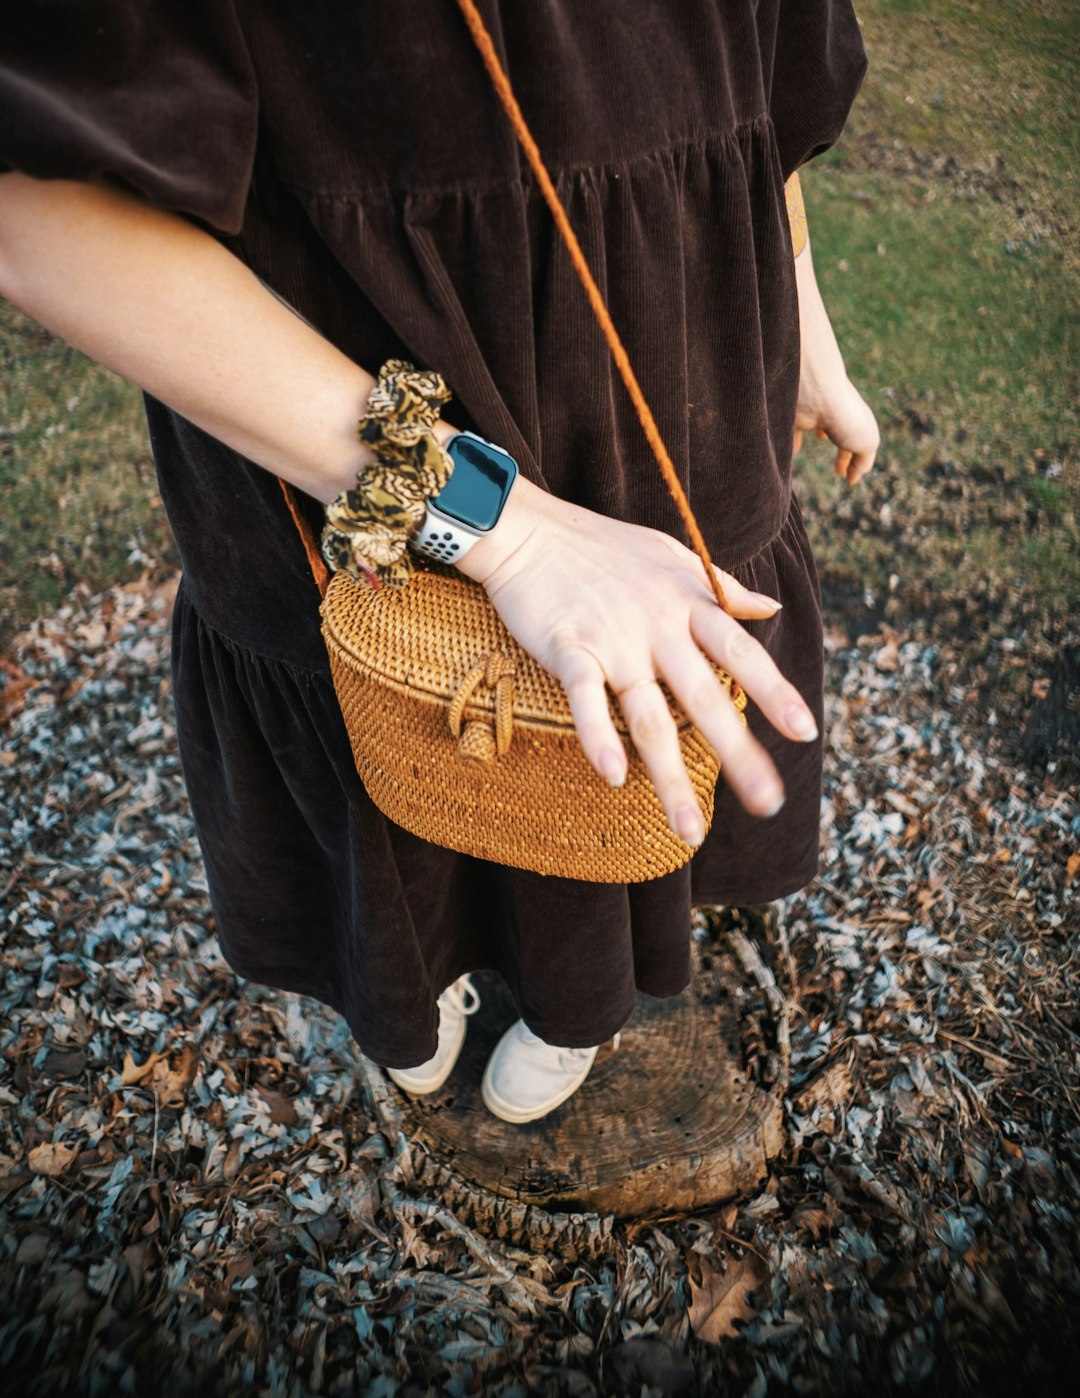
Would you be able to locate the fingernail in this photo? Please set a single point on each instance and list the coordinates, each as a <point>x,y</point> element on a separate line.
<point>776,805</point>
<point>769,601</point>
<point>801,722</point>
<point>689,825</point>
<point>611,765</point>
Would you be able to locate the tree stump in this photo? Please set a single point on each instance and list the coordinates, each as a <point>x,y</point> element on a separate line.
<point>687,1111</point>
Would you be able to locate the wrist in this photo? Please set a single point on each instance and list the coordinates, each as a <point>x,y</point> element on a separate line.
<point>442,431</point>
<point>523,508</point>
<point>477,513</point>
<point>368,526</point>
<point>346,456</point>
<point>822,382</point>
<point>363,456</point>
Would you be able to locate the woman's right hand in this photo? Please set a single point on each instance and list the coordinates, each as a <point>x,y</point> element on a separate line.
<point>602,604</point>
<point>596,601</point>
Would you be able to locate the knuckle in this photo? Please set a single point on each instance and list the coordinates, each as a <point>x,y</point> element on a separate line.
<point>577,684</point>
<point>671,783</point>
<point>739,645</point>
<point>783,693</point>
<point>648,726</point>
<point>568,639</point>
<point>737,761</point>
<point>706,696</point>
<point>674,794</point>
<point>572,660</point>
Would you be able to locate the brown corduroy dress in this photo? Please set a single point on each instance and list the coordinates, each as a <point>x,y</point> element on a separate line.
<point>356,157</point>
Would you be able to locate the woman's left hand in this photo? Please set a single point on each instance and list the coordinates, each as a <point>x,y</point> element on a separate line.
<point>836,410</point>
<point>829,403</point>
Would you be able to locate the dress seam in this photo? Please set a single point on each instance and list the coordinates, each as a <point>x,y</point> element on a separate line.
<point>242,648</point>
<point>770,541</point>
<point>524,177</point>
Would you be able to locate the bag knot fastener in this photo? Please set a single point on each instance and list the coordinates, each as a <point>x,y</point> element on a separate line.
<point>476,742</point>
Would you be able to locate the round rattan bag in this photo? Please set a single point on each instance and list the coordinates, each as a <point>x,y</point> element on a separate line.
<point>463,739</point>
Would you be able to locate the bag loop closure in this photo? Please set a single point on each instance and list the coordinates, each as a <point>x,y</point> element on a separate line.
<point>476,743</point>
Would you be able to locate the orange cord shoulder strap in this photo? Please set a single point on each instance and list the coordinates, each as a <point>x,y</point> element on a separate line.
<point>652,432</point>
<point>319,571</point>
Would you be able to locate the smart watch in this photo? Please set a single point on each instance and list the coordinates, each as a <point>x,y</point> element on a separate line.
<point>469,505</point>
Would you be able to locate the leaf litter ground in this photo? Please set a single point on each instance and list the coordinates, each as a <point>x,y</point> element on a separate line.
<point>196,1195</point>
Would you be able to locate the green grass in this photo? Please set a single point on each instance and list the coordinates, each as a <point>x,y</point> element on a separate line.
<point>76,474</point>
<point>944,232</point>
<point>929,305</point>
<point>947,244</point>
<point>991,84</point>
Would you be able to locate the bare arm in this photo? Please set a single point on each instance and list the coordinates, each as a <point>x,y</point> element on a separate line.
<point>599,602</point>
<point>829,404</point>
<point>159,301</point>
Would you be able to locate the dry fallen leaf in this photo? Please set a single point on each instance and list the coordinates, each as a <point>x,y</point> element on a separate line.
<point>234,1158</point>
<point>135,1072</point>
<point>92,633</point>
<point>812,1219</point>
<point>51,1158</point>
<point>171,1080</point>
<point>720,1300</point>
<point>282,1111</point>
<point>831,1087</point>
<point>14,684</point>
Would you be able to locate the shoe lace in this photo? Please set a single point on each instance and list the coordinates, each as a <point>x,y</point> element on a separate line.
<point>462,996</point>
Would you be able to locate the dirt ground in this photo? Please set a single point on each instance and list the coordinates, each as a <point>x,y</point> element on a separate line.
<point>196,1196</point>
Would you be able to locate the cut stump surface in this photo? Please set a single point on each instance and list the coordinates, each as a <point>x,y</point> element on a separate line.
<point>669,1121</point>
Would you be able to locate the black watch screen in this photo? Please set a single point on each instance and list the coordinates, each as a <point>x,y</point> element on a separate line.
<point>481,481</point>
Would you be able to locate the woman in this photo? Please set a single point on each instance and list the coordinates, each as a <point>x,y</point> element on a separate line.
<point>179,177</point>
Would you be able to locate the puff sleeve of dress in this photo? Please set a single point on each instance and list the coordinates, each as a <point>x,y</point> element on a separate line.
<point>159,96</point>
<point>813,63</point>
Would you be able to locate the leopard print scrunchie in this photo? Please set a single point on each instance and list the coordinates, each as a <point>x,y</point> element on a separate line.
<point>368,528</point>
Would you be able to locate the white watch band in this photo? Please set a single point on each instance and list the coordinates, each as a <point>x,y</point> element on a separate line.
<point>442,538</point>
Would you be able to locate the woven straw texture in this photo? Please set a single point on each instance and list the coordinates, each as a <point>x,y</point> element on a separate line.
<point>399,657</point>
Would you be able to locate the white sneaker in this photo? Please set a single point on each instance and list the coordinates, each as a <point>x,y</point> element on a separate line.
<point>456,1003</point>
<point>526,1077</point>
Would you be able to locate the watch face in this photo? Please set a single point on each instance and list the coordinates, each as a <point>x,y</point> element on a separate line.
<point>479,484</point>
